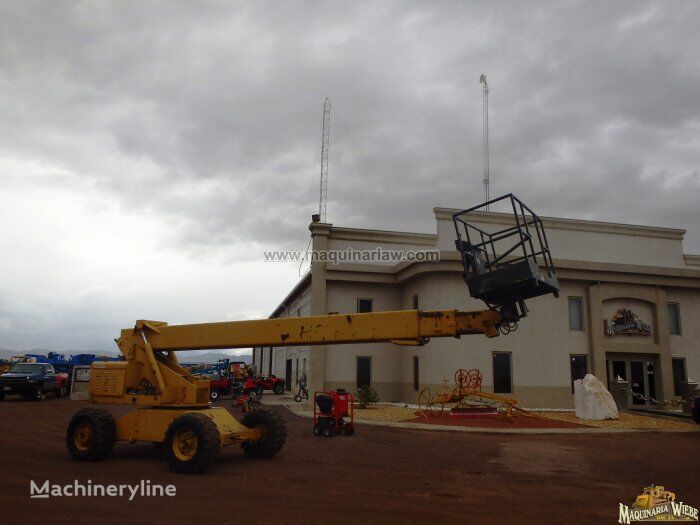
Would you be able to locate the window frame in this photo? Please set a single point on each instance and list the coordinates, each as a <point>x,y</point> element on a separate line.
<point>571,368</point>
<point>581,314</point>
<point>510,371</point>
<point>371,304</point>
<point>357,369</point>
<point>677,305</point>
<point>416,373</point>
<point>679,391</point>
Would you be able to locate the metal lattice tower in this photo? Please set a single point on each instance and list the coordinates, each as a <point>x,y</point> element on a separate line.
<point>324,159</point>
<point>485,91</point>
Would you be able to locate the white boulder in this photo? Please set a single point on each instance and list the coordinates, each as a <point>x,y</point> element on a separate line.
<point>592,400</point>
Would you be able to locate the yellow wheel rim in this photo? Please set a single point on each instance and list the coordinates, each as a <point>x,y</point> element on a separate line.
<point>185,444</point>
<point>83,435</point>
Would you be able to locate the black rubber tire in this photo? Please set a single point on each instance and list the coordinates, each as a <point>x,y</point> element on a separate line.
<point>62,391</point>
<point>37,394</point>
<point>214,395</point>
<point>328,431</point>
<point>317,430</point>
<point>104,431</point>
<point>259,390</point>
<point>275,433</point>
<point>297,398</point>
<point>208,443</point>
<point>349,429</point>
<point>278,388</point>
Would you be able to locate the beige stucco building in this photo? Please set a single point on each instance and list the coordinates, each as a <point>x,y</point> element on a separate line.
<point>637,274</point>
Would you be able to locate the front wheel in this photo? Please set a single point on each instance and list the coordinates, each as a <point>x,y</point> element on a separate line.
<point>192,442</point>
<point>297,398</point>
<point>273,433</point>
<point>37,394</point>
<point>91,434</point>
<point>278,388</point>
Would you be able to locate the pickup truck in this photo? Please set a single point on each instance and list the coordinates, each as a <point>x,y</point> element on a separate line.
<point>32,381</point>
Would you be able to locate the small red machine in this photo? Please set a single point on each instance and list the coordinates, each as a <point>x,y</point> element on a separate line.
<point>330,410</point>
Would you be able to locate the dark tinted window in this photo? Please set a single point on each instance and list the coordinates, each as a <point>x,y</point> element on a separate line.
<point>579,368</point>
<point>364,371</point>
<point>575,313</point>
<point>416,373</point>
<point>674,319</point>
<point>364,306</point>
<point>678,376</point>
<point>502,379</point>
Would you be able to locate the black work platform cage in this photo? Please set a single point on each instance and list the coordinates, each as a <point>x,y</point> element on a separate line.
<point>503,266</point>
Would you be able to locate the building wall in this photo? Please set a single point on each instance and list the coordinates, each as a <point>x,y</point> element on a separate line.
<point>640,268</point>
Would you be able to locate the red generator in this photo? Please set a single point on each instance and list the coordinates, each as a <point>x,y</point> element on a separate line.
<point>330,410</point>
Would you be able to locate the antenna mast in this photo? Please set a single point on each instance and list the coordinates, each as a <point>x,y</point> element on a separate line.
<point>324,159</point>
<point>485,91</point>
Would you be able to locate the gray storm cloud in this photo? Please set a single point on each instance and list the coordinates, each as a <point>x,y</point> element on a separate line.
<point>207,115</point>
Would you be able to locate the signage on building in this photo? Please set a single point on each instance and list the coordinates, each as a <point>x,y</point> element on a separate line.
<point>626,322</point>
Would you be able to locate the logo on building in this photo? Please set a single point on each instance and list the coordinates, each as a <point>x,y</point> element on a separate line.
<point>626,322</point>
<point>656,503</point>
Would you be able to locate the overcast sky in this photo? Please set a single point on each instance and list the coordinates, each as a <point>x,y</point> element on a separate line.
<point>150,150</point>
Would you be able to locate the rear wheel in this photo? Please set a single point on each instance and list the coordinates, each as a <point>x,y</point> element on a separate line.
<point>214,395</point>
<point>259,390</point>
<point>273,433</point>
<point>192,442</point>
<point>297,398</point>
<point>91,434</point>
<point>328,431</point>
<point>278,388</point>
<point>317,430</point>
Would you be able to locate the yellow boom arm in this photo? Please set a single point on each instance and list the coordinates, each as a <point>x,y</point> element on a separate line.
<point>150,374</point>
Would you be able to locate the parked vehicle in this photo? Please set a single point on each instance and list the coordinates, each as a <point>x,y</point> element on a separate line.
<point>32,381</point>
<point>274,383</point>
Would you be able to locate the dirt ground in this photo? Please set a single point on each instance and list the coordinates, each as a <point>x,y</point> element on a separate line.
<point>380,475</point>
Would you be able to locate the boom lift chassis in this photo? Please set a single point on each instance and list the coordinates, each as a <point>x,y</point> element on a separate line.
<point>171,406</point>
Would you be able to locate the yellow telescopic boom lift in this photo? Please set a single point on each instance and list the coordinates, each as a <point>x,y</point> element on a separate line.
<point>171,406</point>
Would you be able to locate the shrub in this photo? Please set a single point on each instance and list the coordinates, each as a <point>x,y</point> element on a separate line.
<point>366,395</point>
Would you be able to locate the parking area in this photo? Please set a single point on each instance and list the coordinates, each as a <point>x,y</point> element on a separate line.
<point>379,475</point>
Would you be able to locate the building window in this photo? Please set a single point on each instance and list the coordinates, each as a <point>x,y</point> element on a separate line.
<point>679,376</point>
<point>269,371</point>
<point>674,318</point>
<point>364,306</point>
<point>575,313</point>
<point>364,371</point>
<point>415,301</point>
<point>416,374</point>
<point>502,377</point>
<point>579,368</point>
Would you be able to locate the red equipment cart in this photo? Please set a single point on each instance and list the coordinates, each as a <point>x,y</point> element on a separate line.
<point>330,410</point>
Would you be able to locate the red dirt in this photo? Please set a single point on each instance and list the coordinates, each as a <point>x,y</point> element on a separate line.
<point>380,475</point>
<point>519,421</point>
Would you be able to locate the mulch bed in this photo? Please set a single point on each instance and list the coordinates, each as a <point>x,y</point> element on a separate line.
<point>519,421</point>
